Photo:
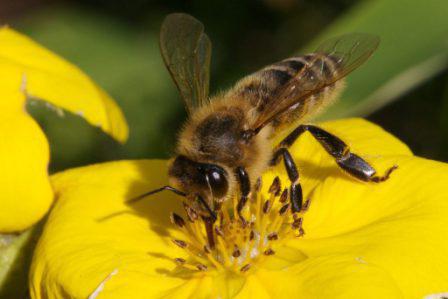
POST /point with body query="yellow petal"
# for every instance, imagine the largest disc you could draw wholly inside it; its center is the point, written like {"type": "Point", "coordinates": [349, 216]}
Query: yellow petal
{"type": "Point", "coordinates": [44, 75]}
{"type": "Point", "coordinates": [364, 138]}
{"type": "Point", "coordinates": [399, 226]}
{"type": "Point", "coordinates": [333, 276]}
{"type": "Point", "coordinates": [91, 233]}
{"type": "Point", "coordinates": [26, 193]}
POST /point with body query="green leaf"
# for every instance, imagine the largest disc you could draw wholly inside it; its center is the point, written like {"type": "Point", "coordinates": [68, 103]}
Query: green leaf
{"type": "Point", "coordinates": [414, 48]}
{"type": "Point", "coordinates": [15, 258]}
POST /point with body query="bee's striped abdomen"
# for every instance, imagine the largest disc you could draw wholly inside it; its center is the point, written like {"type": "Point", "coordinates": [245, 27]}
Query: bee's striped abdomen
{"type": "Point", "coordinates": [308, 71]}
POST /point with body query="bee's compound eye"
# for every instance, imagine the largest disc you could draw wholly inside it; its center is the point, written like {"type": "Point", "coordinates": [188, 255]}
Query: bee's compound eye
{"type": "Point", "coordinates": [218, 183]}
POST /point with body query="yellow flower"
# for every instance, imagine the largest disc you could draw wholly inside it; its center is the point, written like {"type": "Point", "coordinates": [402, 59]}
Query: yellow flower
{"type": "Point", "coordinates": [362, 240]}
{"type": "Point", "coordinates": [27, 70]}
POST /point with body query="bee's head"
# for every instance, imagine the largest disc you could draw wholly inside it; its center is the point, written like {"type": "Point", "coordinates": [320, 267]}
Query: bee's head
{"type": "Point", "coordinates": [204, 179]}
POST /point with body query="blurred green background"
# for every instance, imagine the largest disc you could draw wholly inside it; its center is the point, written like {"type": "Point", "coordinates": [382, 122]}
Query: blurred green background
{"type": "Point", "coordinates": [403, 87]}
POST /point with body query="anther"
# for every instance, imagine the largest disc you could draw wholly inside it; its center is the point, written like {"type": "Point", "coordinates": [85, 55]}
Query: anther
{"type": "Point", "coordinates": [177, 220]}
{"type": "Point", "coordinates": [272, 236]}
{"type": "Point", "coordinates": [191, 213]}
{"type": "Point", "coordinates": [284, 196]}
{"type": "Point", "coordinates": [267, 206]}
{"type": "Point", "coordinates": [245, 268]}
{"type": "Point", "coordinates": [180, 243]}
{"type": "Point", "coordinates": [201, 267]}
{"type": "Point", "coordinates": [284, 209]}
{"type": "Point", "coordinates": [297, 224]}
{"type": "Point", "coordinates": [236, 252]}
{"type": "Point", "coordinates": [232, 243]}
{"type": "Point", "coordinates": [306, 205]}
{"type": "Point", "coordinates": [180, 261]}
{"type": "Point", "coordinates": [275, 187]}
{"type": "Point", "coordinates": [219, 232]}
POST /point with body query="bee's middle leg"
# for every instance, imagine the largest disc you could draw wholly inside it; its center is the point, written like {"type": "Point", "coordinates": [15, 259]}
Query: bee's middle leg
{"type": "Point", "coordinates": [295, 191]}
{"type": "Point", "coordinates": [244, 181]}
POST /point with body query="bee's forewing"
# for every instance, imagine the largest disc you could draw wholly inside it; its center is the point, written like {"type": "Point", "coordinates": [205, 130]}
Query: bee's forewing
{"type": "Point", "coordinates": [333, 60]}
{"type": "Point", "coordinates": [186, 51]}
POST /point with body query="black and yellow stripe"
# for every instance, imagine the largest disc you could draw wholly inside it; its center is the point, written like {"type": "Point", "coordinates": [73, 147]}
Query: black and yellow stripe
{"type": "Point", "coordinates": [308, 71]}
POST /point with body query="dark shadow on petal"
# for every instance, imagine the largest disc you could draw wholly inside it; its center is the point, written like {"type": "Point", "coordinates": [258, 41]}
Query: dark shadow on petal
{"type": "Point", "coordinates": [116, 214]}
{"type": "Point", "coordinates": [155, 208]}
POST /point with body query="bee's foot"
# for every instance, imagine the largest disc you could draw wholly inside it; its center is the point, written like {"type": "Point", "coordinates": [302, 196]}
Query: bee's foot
{"type": "Point", "coordinates": [385, 177]}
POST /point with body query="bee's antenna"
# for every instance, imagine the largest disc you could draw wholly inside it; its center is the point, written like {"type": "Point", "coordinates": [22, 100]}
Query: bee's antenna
{"type": "Point", "coordinates": [169, 188]}
{"type": "Point", "coordinates": [212, 214]}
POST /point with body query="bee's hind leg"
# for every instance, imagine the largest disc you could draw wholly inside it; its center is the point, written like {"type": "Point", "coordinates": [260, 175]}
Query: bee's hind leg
{"type": "Point", "coordinates": [244, 182]}
{"type": "Point", "coordinates": [295, 191]}
{"type": "Point", "coordinates": [339, 150]}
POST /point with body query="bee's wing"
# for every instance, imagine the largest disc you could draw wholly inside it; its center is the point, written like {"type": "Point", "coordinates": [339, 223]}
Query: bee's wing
{"type": "Point", "coordinates": [186, 51]}
{"type": "Point", "coordinates": [346, 53]}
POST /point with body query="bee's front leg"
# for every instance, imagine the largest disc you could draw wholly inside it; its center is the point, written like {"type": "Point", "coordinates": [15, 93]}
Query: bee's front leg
{"type": "Point", "coordinates": [244, 182]}
{"type": "Point", "coordinates": [295, 191]}
{"type": "Point", "coordinates": [208, 221]}
{"type": "Point", "coordinates": [339, 150]}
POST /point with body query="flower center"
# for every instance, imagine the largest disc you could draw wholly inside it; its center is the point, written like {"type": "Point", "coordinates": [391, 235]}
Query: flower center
{"type": "Point", "coordinates": [239, 244]}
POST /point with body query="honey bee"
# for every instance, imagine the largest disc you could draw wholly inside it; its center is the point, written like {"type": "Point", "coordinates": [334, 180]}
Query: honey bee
{"type": "Point", "coordinates": [227, 141]}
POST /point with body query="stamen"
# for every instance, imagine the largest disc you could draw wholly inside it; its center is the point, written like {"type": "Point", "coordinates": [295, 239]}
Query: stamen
{"type": "Point", "coordinates": [180, 243]}
{"type": "Point", "coordinates": [273, 236]}
{"type": "Point", "coordinates": [236, 251]}
{"type": "Point", "coordinates": [245, 268]}
{"type": "Point", "coordinates": [267, 206]}
{"type": "Point", "coordinates": [284, 209]}
{"type": "Point", "coordinates": [177, 220]}
{"type": "Point", "coordinates": [201, 267]}
{"type": "Point", "coordinates": [191, 213]}
{"type": "Point", "coordinates": [219, 232]}
{"type": "Point", "coordinates": [306, 205]}
{"type": "Point", "coordinates": [237, 246]}
{"type": "Point", "coordinates": [275, 187]}
{"type": "Point", "coordinates": [297, 223]}
{"type": "Point", "coordinates": [284, 196]}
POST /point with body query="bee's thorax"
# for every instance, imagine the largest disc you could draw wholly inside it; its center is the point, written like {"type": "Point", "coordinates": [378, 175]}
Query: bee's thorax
{"type": "Point", "coordinates": [215, 134]}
